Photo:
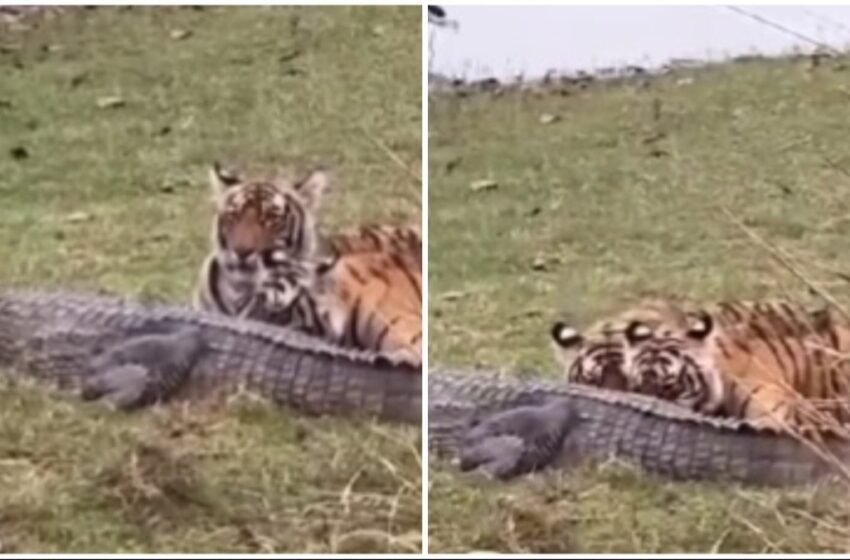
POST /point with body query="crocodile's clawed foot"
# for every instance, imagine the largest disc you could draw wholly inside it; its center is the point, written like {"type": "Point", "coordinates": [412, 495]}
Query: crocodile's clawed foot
{"type": "Point", "coordinates": [143, 369]}
{"type": "Point", "coordinates": [125, 386]}
{"type": "Point", "coordinates": [495, 456]}
{"type": "Point", "coordinates": [517, 441]}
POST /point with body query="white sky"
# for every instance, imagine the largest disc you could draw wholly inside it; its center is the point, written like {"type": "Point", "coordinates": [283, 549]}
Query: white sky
{"type": "Point", "coordinates": [503, 41]}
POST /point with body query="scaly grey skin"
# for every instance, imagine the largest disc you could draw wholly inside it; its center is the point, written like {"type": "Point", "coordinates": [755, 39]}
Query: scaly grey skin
{"type": "Point", "coordinates": [131, 354]}
{"type": "Point", "coordinates": [507, 427]}
{"type": "Point", "coordinates": [143, 370]}
{"type": "Point", "coordinates": [517, 441]}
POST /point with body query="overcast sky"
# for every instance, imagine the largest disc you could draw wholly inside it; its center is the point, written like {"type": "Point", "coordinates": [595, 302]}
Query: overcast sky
{"type": "Point", "coordinates": [505, 40]}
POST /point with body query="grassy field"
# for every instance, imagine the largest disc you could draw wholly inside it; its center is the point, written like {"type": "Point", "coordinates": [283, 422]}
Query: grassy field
{"type": "Point", "coordinates": [617, 193]}
{"type": "Point", "coordinates": [108, 121]}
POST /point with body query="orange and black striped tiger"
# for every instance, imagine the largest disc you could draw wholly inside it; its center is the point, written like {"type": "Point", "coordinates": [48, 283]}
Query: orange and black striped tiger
{"type": "Point", "coordinates": [774, 363]}
{"type": "Point", "coordinates": [360, 288]}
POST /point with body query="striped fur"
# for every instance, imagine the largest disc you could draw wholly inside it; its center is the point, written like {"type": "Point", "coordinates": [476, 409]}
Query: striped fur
{"type": "Point", "coordinates": [597, 356]}
{"type": "Point", "coordinates": [367, 300]}
{"type": "Point", "coordinates": [360, 288]}
{"type": "Point", "coordinates": [774, 363]}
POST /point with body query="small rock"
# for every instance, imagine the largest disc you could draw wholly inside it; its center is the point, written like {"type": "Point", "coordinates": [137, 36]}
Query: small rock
{"type": "Point", "coordinates": [549, 118]}
{"type": "Point", "coordinates": [78, 217]}
{"type": "Point", "coordinates": [484, 185]}
{"type": "Point", "coordinates": [19, 153]}
{"type": "Point", "coordinates": [684, 82]}
{"type": "Point", "coordinates": [112, 102]}
{"type": "Point", "coordinates": [180, 34]}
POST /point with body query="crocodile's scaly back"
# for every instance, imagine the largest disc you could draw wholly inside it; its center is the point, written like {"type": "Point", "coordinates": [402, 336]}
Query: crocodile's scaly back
{"type": "Point", "coordinates": [659, 436]}
{"type": "Point", "coordinates": [56, 336]}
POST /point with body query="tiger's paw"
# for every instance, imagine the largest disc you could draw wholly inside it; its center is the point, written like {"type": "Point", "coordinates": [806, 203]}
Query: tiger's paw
{"type": "Point", "coordinates": [273, 299]}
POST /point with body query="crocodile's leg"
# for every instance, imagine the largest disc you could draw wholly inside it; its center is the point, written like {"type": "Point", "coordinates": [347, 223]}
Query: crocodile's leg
{"type": "Point", "coordinates": [143, 369]}
{"type": "Point", "coordinates": [517, 441]}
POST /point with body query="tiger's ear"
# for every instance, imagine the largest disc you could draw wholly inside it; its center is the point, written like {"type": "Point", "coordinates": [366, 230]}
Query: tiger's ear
{"type": "Point", "coordinates": [221, 179]}
{"type": "Point", "coordinates": [565, 336]}
{"type": "Point", "coordinates": [701, 325]}
{"type": "Point", "coordinates": [314, 187]}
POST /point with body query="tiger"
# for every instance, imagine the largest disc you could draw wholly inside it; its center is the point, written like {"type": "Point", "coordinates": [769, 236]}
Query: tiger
{"type": "Point", "coordinates": [773, 363]}
{"type": "Point", "coordinates": [359, 288]}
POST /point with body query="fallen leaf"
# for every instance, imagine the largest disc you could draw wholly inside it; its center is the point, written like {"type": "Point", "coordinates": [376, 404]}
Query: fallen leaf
{"type": "Point", "coordinates": [289, 55]}
{"type": "Point", "coordinates": [548, 118]}
{"type": "Point", "coordinates": [78, 217]}
{"type": "Point", "coordinates": [453, 163]}
{"type": "Point", "coordinates": [79, 79]}
{"type": "Point", "coordinates": [483, 185]}
{"type": "Point", "coordinates": [453, 296]}
{"type": "Point", "coordinates": [112, 102]}
{"type": "Point", "coordinates": [654, 138]}
{"type": "Point", "coordinates": [180, 34]}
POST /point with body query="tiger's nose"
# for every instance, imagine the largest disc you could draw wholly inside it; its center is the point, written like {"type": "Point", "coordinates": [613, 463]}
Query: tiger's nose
{"type": "Point", "coordinates": [244, 259]}
{"type": "Point", "coordinates": [243, 253]}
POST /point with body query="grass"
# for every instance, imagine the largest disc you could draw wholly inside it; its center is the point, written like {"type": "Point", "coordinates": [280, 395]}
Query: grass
{"type": "Point", "coordinates": [620, 198]}
{"type": "Point", "coordinates": [108, 121]}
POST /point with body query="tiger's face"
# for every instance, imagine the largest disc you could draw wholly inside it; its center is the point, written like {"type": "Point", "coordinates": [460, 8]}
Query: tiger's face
{"type": "Point", "coordinates": [675, 362]}
{"type": "Point", "coordinates": [603, 354]}
{"type": "Point", "coordinates": [254, 217]}
{"type": "Point", "coordinates": [594, 358]}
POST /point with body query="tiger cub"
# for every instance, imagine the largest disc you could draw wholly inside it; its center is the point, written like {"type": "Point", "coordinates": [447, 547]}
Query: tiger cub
{"type": "Point", "coordinates": [360, 288]}
{"type": "Point", "coordinates": [773, 363]}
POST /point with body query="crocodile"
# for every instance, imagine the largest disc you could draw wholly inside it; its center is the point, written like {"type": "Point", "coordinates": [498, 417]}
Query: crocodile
{"type": "Point", "coordinates": [508, 426]}
{"type": "Point", "coordinates": [130, 353]}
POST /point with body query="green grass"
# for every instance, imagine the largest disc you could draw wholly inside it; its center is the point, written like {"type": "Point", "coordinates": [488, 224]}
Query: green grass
{"type": "Point", "coordinates": [619, 199]}
{"type": "Point", "coordinates": [116, 199]}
